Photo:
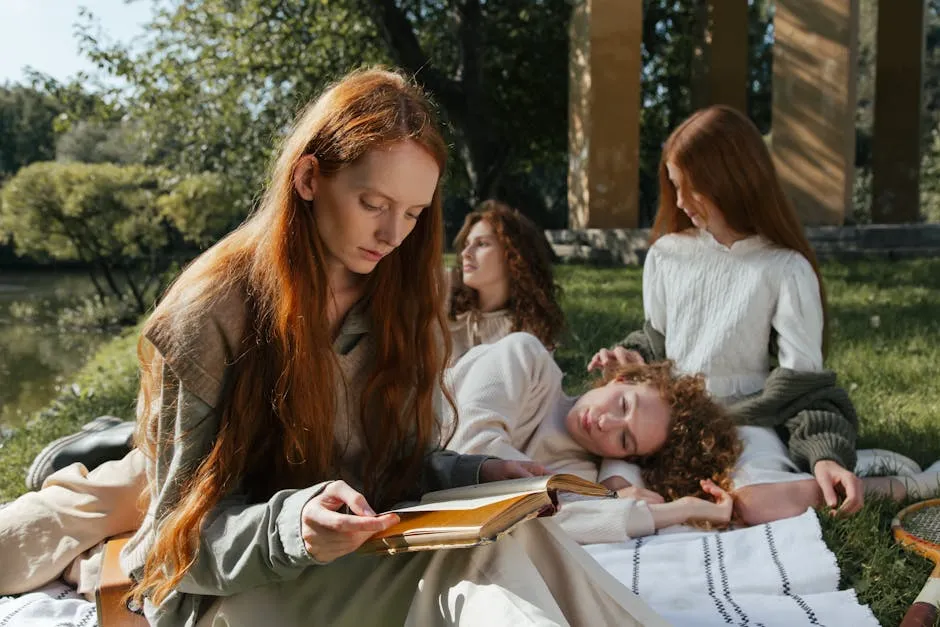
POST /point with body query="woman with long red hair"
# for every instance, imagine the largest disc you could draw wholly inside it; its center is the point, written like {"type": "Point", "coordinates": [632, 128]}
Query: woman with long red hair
{"type": "Point", "coordinates": [731, 284]}
{"type": "Point", "coordinates": [290, 389]}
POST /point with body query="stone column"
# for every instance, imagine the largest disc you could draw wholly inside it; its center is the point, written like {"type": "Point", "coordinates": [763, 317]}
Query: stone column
{"type": "Point", "coordinates": [815, 58]}
{"type": "Point", "coordinates": [726, 53]}
{"type": "Point", "coordinates": [898, 112]}
{"type": "Point", "coordinates": [604, 113]}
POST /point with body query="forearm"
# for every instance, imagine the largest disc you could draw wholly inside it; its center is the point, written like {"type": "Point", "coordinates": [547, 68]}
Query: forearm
{"type": "Point", "coordinates": [668, 514]}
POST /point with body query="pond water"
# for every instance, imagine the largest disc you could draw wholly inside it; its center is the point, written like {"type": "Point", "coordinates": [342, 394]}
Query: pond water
{"type": "Point", "coordinates": [36, 356]}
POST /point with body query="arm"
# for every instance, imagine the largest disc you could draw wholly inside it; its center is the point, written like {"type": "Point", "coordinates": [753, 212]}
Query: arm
{"type": "Point", "coordinates": [616, 520]}
{"type": "Point", "coordinates": [241, 545]}
{"type": "Point", "coordinates": [502, 392]}
{"type": "Point", "coordinates": [798, 318]}
{"type": "Point", "coordinates": [823, 434]}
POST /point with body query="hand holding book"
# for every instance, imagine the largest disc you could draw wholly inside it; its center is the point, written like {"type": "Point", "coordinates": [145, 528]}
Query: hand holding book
{"type": "Point", "coordinates": [328, 534]}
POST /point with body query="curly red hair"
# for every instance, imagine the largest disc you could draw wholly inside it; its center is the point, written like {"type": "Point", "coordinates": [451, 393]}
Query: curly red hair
{"type": "Point", "coordinates": [702, 441]}
{"type": "Point", "coordinates": [533, 293]}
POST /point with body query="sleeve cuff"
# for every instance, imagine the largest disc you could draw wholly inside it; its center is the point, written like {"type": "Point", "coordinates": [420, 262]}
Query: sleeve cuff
{"type": "Point", "coordinates": [290, 528]}
{"type": "Point", "coordinates": [640, 522]}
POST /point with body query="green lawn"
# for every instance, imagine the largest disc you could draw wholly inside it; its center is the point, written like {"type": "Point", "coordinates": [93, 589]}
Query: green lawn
{"type": "Point", "coordinates": [885, 323]}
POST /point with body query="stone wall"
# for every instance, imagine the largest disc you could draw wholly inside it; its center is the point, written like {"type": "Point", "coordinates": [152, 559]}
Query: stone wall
{"type": "Point", "coordinates": [628, 246]}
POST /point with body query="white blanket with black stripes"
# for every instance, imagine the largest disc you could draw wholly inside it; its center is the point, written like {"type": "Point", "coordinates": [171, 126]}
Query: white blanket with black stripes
{"type": "Point", "coordinates": [779, 574]}
{"type": "Point", "coordinates": [56, 605]}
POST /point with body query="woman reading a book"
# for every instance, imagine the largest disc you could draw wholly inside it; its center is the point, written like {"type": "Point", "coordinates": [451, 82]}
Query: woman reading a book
{"type": "Point", "coordinates": [289, 381]}
{"type": "Point", "coordinates": [512, 405]}
{"type": "Point", "coordinates": [504, 281]}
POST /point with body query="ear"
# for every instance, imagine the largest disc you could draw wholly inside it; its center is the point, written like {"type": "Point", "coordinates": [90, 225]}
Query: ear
{"type": "Point", "coordinates": [305, 177]}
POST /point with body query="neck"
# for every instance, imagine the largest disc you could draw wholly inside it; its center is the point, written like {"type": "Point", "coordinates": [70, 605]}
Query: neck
{"type": "Point", "coordinates": [345, 288]}
{"type": "Point", "coordinates": [493, 298]}
{"type": "Point", "coordinates": [726, 237]}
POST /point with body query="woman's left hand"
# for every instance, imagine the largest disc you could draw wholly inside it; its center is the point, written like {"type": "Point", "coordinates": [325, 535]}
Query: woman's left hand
{"type": "Point", "coordinates": [502, 469]}
{"type": "Point", "coordinates": [831, 476]}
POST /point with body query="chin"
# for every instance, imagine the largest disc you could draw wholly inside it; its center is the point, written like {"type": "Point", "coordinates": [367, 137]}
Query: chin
{"type": "Point", "coordinates": [362, 266]}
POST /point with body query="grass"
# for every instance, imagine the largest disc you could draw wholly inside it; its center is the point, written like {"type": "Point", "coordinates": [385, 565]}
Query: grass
{"type": "Point", "coordinates": [885, 345]}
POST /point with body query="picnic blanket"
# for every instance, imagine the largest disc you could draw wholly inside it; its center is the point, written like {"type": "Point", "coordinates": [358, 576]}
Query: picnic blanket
{"type": "Point", "coordinates": [54, 604]}
{"type": "Point", "coordinates": [777, 574]}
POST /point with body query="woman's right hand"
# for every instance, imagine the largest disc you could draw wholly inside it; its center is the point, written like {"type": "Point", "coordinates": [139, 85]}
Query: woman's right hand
{"type": "Point", "coordinates": [718, 512]}
{"type": "Point", "coordinates": [328, 534]}
{"type": "Point", "coordinates": [612, 358]}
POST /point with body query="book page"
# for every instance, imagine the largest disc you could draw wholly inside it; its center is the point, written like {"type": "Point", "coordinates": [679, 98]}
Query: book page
{"type": "Point", "coordinates": [460, 504]}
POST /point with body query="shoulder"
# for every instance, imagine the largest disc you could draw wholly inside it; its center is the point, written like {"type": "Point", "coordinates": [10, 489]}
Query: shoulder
{"type": "Point", "coordinates": [199, 343]}
{"type": "Point", "coordinates": [792, 266]}
{"type": "Point", "coordinates": [673, 243]}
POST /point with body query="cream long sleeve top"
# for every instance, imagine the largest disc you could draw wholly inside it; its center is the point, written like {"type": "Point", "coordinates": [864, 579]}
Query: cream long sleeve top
{"type": "Point", "coordinates": [511, 405]}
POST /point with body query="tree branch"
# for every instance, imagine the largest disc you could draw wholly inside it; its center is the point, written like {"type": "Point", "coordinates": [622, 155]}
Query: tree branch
{"type": "Point", "coordinates": [399, 36]}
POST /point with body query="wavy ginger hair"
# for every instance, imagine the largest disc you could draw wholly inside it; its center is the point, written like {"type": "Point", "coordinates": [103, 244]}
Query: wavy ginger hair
{"type": "Point", "coordinates": [702, 441]}
{"type": "Point", "coordinates": [723, 157]}
{"type": "Point", "coordinates": [277, 412]}
{"type": "Point", "coordinates": [533, 293]}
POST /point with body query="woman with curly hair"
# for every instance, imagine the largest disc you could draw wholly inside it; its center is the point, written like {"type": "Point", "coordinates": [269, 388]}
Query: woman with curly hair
{"type": "Point", "coordinates": [504, 282]}
{"type": "Point", "coordinates": [512, 405]}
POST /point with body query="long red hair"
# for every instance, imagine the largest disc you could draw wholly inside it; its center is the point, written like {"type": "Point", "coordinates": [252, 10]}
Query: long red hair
{"type": "Point", "coordinates": [277, 414]}
{"type": "Point", "coordinates": [723, 157]}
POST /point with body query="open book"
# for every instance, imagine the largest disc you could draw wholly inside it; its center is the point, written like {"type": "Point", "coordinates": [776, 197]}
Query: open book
{"type": "Point", "coordinates": [477, 514]}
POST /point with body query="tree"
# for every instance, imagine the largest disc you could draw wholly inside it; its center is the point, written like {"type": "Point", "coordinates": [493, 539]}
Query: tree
{"type": "Point", "coordinates": [218, 78]}
{"type": "Point", "coordinates": [103, 215]}
{"type": "Point", "coordinates": [26, 127]}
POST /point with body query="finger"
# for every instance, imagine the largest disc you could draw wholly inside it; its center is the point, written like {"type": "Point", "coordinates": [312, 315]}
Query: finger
{"type": "Point", "coordinates": [622, 355]}
{"type": "Point", "coordinates": [347, 524]}
{"type": "Point", "coordinates": [595, 363]}
{"type": "Point", "coordinates": [854, 497]}
{"type": "Point", "coordinates": [712, 488]}
{"type": "Point", "coordinates": [535, 468]}
{"type": "Point", "coordinates": [346, 495]}
{"type": "Point", "coordinates": [829, 493]}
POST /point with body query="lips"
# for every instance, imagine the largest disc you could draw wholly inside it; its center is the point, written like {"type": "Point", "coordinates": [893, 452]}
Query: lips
{"type": "Point", "coordinates": [469, 268]}
{"type": "Point", "coordinates": [372, 255]}
{"type": "Point", "coordinates": [585, 421]}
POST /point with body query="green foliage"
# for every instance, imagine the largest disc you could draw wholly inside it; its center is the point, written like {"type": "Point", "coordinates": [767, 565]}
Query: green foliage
{"type": "Point", "coordinates": [120, 221]}
{"type": "Point", "coordinates": [83, 212]}
{"type": "Point", "coordinates": [218, 79]}
{"type": "Point", "coordinates": [26, 127]}
{"type": "Point", "coordinates": [93, 141]}
{"type": "Point", "coordinates": [200, 207]}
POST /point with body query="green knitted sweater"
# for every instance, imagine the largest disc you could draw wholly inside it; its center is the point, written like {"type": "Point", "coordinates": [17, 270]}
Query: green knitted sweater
{"type": "Point", "coordinates": [811, 413]}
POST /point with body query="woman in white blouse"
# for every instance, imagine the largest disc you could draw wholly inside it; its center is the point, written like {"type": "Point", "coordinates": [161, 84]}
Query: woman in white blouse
{"type": "Point", "coordinates": [729, 274]}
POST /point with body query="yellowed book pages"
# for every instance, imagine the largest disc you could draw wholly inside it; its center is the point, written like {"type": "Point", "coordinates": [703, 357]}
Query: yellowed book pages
{"type": "Point", "coordinates": [475, 515]}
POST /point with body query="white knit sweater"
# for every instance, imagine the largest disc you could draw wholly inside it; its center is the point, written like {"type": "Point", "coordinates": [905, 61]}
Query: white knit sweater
{"type": "Point", "coordinates": [511, 405]}
{"type": "Point", "coordinates": [717, 306]}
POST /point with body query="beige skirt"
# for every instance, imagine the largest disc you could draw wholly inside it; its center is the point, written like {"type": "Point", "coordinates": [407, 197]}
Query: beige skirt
{"type": "Point", "coordinates": [534, 576]}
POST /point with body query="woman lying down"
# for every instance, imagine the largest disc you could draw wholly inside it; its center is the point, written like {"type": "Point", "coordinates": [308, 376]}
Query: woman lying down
{"type": "Point", "coordinates": [511, 405]}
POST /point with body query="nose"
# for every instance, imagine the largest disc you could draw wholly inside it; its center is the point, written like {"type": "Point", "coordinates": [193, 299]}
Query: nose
{"type": "Point", "coordinates": [467, 252]}
{"type": "Point", "coordinates": [391, 231]}
{"type": "Point", "coordinates": [607, 422]}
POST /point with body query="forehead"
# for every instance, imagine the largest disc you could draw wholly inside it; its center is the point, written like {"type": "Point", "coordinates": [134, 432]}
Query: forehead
{"type": "Point", "coordinates": [674, 172]}
{"type": "Point", "coordinates": [403, 171]}
{"type": "Point", "coordinates": [481, 229]}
